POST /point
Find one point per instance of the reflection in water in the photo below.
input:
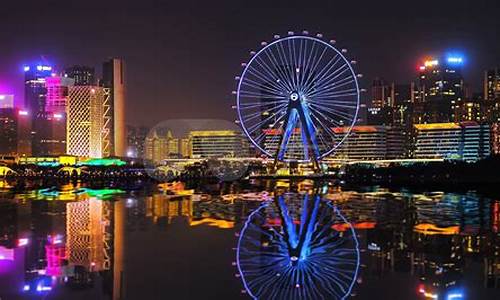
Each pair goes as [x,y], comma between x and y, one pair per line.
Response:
[439,245]
[290,249]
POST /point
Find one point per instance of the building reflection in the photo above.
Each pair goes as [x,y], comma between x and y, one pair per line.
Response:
[74,237]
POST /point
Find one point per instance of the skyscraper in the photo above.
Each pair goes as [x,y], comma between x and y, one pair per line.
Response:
[82,75]
[380,104]
[86,120]
[492,84]
[441,89]
[114,79]
[34,87]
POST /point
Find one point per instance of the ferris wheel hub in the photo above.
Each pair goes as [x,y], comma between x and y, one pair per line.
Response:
[294,96]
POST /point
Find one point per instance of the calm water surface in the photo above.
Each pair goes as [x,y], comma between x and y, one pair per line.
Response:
[272,240]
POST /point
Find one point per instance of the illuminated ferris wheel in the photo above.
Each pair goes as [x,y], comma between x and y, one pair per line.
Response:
[297,98]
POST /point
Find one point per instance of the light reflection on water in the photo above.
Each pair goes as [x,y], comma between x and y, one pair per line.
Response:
[79,241]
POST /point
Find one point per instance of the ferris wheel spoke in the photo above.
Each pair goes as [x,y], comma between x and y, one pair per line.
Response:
[273,83]
[338,113]
[281,66]
[259,124]
[260,86]
[248,105]
[326,117]
[320,82]
[314,66]
[318,134]
[265,67]
[333,137]
[307,64]
[314,80]
[328,80]
[260,95]
[340,83]
[259,113]
[279,70]
[288,66]
[327,93]
[267,76]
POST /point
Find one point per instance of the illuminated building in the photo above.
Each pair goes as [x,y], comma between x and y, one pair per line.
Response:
[467,141]
[492,84]
[495,138]
[57,94]
[136,138]
[49,136]
[6,101]
[402,96]
[114,79]
[184,147]
[8,131]
[34,87]
[160,144]
[371,143]
[86,121]
[85,232]
[441,90]
[15,130]
[82,75]
[217,143]
[380,106]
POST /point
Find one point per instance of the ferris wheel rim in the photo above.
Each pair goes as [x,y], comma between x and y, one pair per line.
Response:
[280,40]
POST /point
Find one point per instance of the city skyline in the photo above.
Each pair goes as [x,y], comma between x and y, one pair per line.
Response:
[189,53]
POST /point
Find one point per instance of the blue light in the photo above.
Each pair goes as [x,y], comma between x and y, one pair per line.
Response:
[455,295]
[455,60]
[26,68]
[39,68]
[26,287]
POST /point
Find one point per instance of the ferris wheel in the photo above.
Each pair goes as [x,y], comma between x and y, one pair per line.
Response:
[297,98]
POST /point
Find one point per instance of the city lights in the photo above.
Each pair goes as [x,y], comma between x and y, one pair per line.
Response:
[431,63]
[455,60]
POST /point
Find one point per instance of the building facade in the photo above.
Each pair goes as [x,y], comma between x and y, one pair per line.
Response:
[371,143]
[114,79]
[467,141]
[217,143]
[86,121]
[441,90]
[82,75]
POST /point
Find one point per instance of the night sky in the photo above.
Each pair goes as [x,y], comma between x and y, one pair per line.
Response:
[183,55]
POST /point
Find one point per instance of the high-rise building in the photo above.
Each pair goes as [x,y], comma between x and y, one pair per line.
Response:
[82,75]
[217,143]
[114,79]
[402,96]
[467,141]
[57,94]
[441,90]
[379,108]
[34,87]
[492,84]
[136,138]
[86,121]
[49,134]
[6,101]
[8,131]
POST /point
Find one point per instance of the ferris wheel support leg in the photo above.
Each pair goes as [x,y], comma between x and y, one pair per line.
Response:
[307,124]
[289,126]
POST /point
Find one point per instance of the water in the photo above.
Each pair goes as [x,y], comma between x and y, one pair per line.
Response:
[272,240]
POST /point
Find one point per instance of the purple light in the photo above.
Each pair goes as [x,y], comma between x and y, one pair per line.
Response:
[23,242]
[23,113]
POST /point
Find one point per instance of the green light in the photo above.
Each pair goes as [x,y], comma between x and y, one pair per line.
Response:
[100,193]
[102,162]
[48,164]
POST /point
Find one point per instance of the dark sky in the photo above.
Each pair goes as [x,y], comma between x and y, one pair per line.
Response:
[183,55]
